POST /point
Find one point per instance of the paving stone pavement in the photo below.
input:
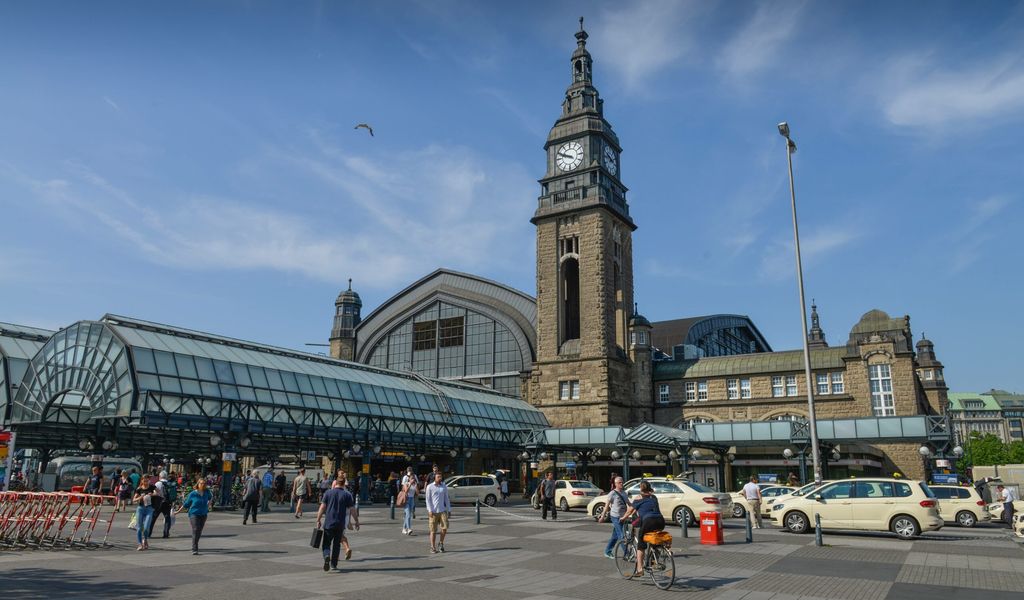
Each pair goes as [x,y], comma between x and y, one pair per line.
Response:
[514,556]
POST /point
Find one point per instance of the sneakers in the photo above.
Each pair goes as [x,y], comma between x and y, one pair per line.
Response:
[433,550]
[348,554]
[195,553]
[140,548]
[405,531]
[327,564]
[441,547]
[609,555]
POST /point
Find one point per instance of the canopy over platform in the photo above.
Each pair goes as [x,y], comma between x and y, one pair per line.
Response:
[155,388]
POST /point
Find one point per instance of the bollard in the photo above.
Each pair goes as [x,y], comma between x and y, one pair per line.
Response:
[750,528]
[477,511]
[392,508]
[817,530]
[684,528]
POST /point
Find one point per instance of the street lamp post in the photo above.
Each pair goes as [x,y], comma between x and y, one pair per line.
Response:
[815,451]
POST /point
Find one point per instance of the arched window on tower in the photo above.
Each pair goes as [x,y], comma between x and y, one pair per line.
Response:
[570,299]
[578,71]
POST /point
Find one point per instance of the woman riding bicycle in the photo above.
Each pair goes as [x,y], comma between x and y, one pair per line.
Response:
[651,519]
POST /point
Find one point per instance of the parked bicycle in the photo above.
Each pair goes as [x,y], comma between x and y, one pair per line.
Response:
[659,564]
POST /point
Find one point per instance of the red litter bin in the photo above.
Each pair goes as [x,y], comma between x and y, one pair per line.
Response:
[711,528]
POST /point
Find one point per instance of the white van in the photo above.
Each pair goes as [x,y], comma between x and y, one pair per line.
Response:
[65,471]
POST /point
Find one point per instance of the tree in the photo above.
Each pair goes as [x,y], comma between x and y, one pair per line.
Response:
[986,450]
[1015,452]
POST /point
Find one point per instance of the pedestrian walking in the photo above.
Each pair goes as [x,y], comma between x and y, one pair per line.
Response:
[115,483]
[752,492]
[504,487]
[547,497]
[330,517]
[135,477]
[279,485]
[168,492]
[410,487]
[793,481]
[439,507]
[124,492]
[198,504]
[616,506]
[95,482]
[251,496]
[143,500]
[268,486]
[300,489]
[1007,496]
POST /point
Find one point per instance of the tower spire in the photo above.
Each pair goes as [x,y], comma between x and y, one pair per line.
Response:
[816,336]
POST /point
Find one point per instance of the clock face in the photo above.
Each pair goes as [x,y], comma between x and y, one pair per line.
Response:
[569,156]
[609,160]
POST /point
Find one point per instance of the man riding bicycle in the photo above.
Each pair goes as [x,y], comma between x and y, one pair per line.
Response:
[651,519]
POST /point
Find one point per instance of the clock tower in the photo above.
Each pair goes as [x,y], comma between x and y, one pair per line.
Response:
[584,374]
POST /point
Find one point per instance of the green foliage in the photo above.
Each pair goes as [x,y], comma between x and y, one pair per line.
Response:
[1015,452]
[986,450]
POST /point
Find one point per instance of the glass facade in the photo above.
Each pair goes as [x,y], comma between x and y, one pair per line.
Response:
[451,342]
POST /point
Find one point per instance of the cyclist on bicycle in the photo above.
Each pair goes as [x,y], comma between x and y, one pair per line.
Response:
[651,519]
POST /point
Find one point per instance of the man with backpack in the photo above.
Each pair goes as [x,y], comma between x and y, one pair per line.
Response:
[163,502]
[251,496]
[268,485]
[614,508]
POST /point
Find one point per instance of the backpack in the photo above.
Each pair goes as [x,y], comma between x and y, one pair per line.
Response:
[170,491]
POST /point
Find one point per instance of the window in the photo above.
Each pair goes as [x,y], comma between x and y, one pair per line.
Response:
[744,388]
[841,490]
[451,332]
[822,379]
[944,493]
[663,393]
[424,335]
[691,391]
[882,402]
[777,389]
[733,387]
[569,390]
[837,384]
[928,374]
[702,391]
[560,485]
[791,385]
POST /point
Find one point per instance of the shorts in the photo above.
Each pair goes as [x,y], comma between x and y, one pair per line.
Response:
[438,520]
[300,498]
[651,523]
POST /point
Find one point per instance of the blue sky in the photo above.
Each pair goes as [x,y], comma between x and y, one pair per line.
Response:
[196,163]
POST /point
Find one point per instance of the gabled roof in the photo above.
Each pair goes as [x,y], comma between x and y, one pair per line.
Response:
[20,341]
[749,364]
[957,400]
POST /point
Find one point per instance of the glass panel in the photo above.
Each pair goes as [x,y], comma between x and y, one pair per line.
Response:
[274,379]
[190,387]
[318,386]
[246,393]
[165,363]
[205,368]
[357,392]
[170,384]
[304,386]
[210,389]
[186,366]
[144,359]
[223,369]
[241,374]
[289,381]
[263,396]
[148,382]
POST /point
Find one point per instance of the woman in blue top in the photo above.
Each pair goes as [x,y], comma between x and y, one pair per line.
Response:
[198,503]
[646,507]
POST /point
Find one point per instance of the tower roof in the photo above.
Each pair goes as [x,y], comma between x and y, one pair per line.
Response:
[349,296]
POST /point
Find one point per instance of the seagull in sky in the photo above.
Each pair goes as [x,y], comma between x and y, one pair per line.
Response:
[366,127]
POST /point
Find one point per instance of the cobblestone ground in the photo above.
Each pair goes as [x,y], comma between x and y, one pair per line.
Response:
[513,555]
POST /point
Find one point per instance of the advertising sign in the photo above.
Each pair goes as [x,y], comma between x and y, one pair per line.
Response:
[945,478]
[768,477]
[228,456]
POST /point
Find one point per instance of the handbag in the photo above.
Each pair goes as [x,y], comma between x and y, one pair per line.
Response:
[402,496]
[317,539]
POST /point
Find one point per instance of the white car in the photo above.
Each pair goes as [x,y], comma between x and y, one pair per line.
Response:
[470,488]
[680,500]
[905,507]
[766,507]
[571,493]
[961,505]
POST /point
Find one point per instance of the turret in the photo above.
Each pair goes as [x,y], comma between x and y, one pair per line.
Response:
[346,319]
[929,374]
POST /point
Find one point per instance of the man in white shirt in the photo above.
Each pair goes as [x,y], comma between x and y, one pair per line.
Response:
[1007,496]
[752,492]
[438,507]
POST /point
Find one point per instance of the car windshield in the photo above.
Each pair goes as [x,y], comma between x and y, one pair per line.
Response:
[700,488]
[808,488]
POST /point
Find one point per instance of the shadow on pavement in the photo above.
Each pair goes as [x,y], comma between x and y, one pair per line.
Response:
[47,583]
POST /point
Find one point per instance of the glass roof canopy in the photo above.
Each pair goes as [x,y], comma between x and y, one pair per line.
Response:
[138,375]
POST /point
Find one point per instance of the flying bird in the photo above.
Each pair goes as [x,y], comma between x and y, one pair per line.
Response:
[366,127]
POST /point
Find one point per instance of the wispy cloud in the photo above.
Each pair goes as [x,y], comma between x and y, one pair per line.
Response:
[527,119]
[111,103]
[404,214]
[969,241]
[778,260]
[918,94]
[757,44]
[645,38]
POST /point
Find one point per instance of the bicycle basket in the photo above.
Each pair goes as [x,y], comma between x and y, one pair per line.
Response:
[662,538]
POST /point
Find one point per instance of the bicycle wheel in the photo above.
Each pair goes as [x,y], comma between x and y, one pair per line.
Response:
[661,566]
[625,559]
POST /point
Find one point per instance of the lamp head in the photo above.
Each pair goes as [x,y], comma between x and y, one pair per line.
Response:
[784,129]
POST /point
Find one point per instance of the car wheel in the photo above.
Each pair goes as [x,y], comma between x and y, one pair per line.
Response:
[598,511]
[738,511]
[966,518]
[564,505]
[796,522]
[684,515]
[905,527]
[490,500]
